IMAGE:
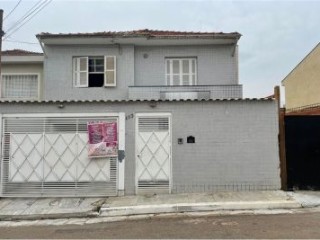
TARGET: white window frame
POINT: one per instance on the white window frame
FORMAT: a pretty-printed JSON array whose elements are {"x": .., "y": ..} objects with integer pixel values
[
  {"x": 76, "y": 71},
  {"x": 171, "y": 74},
  {"x": 16, "y": 74}
]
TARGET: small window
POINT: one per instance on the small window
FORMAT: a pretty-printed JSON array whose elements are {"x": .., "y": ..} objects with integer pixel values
[
  {"x": 24, "y": 86},
  {"x": 94, "y": 71},
  {"x": 181, "y": 71},
  {"x": 191, "y": 139}
]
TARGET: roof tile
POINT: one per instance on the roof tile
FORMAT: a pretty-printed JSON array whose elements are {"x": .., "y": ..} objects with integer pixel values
[
  {"x": 19, "y": 52},
  {"x": 143, "y": 33}
]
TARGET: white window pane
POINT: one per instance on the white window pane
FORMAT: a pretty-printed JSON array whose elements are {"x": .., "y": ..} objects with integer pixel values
[
  {"x": 181, "y": 71},
  {"x": 20, "y": 86},
  {"x": 193, "y": 66},
  {"x": 176, "y": 80},
  {"x": 96, "y": 65},
  {"x": 168, "y": 79},
  {"x": 185, "y": 66},
  {"x": 185, "y": 80},
  {"x": 175, "y": 66},
  {"x": 168, "y": 66},
  {"x": 99, "y": 68},
  {"x": 99, "y": 61}
]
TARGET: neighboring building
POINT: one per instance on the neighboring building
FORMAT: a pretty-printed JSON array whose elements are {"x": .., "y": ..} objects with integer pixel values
[
  {"x": 175, "y": 99},
  {"x": 21, "y": 75},
  {"x": 302, "y": 84}
]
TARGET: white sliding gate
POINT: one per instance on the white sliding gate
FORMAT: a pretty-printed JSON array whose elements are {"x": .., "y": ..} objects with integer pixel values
[
  {"x": 153, "y": 153},
  {"x": 48, "y": 156}
]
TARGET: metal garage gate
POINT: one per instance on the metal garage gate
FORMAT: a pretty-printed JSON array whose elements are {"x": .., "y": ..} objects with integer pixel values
[
  {"x": 303, "y": 152},
  {"x": 48, "y": 156}
]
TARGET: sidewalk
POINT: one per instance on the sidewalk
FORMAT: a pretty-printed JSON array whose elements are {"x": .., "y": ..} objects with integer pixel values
[{"x": 58, "y": 208}]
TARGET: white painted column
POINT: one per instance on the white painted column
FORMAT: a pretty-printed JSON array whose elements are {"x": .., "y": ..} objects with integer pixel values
[{"x": 121, "y": 163}]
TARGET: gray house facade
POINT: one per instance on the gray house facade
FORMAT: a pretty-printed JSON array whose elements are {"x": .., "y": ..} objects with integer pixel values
[
  {"x": 170, "y": 102},
  {"x": 147, "y": 65}
]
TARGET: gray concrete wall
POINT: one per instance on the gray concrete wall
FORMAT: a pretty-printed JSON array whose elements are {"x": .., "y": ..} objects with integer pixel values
[
  {"x": 216, "y": 65},
  {"x": 59, "y": 76},
  {"x": 236, "y": 141}
]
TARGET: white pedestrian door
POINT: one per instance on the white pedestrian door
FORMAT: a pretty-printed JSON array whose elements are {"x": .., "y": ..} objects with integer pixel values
[{"x": 153, "y": 153}]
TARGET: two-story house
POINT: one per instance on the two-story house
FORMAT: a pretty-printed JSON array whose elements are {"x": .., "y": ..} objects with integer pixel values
[{"x": 139, "y": 112}]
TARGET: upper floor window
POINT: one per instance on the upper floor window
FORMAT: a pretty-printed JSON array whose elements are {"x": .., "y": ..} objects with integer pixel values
[
  {"x": 94, "y": 71},
  {"x": 25, "y": 86},
  {"x": 181, "y": 71}
]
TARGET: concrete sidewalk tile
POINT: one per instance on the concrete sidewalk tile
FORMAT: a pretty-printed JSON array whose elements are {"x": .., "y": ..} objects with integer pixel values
[
  {"x": 70, "y": 203},
  {"x": 138, "y": 210},
  {"x": 19, "y": 204},
  {"x": 200, "y": 197},
  {"x": 150, "y": 199},
  {"x": 255, "y": 196},
  {"x": 121, "y": 201},
  {"x": 40, "y": 206},
  {"x": 306, "y": 198},
  {"x": 5, "y": 223},
  {"x": 4, "y": 202},
  {"x": 16, "y": 207},
  {"x": 171, "y": 198},
  {"x": 225, "y": 196},
  {"x": 273, "y": 195},
  {"x": 92, "y": 202},
  {"x": 162, "y": 199}
]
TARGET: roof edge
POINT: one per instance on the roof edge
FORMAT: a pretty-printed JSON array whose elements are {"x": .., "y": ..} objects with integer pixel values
[
  {"x": 313, "y": 49},
  {"x": 128, "y": 101},
  {"x": 146, "y": 33}
]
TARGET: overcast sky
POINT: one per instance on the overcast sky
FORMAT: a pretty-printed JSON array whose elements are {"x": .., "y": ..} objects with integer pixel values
[{"x": 276, "y": 35}]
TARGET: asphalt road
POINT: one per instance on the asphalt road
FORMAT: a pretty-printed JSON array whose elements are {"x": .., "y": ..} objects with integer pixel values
[{"x": 302, "y": 225}]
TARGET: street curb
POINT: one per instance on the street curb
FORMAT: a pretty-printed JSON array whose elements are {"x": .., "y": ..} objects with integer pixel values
[
  {"x": 89, "y": 214},
  {"x": 195, "y": 207}
]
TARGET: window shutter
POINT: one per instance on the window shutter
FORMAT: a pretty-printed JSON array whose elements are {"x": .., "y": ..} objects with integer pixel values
[
  {"x": 110, "y": 67},
  {"x": 80, "y": 73}
]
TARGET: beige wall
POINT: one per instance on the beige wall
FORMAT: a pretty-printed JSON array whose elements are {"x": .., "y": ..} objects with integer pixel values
[
  {"x": 36, "y": 68},
  {"x": 302, "y": 85}
]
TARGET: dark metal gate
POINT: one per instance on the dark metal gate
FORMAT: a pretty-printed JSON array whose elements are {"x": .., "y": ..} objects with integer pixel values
[{"x": 303, "y": 151}]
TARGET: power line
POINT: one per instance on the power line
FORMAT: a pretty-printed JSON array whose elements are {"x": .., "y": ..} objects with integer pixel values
[
  {"x": 25, "y": 15},
  {"x": 21, "y": 42},
  {"x": 38, "y": 9},
  {"x": 31, "y": 16},
  {"x": 31, "y": 11},
  {"x": 12, "y": 10}
]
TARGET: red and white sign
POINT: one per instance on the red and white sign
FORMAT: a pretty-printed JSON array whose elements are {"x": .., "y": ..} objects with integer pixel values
[{"x": 103, "y": 139}]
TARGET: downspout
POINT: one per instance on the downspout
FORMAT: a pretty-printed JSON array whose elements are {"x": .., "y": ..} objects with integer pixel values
[{"x": 234, "y": 49}]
